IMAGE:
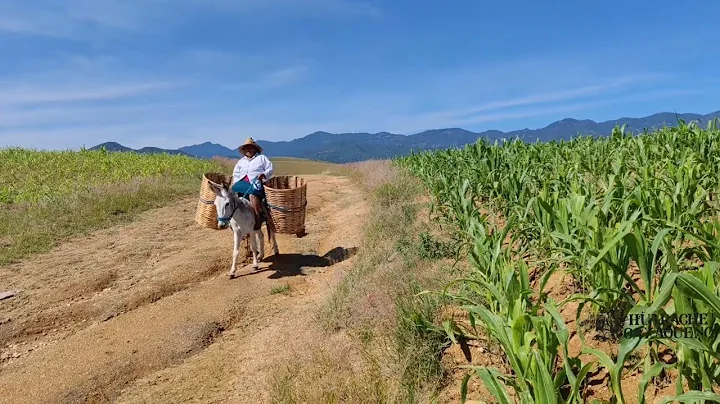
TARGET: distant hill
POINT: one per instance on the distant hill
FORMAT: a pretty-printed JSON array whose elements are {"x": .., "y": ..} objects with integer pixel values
[
  {"x": 207, "y": 150},
  {"x": 157, "y": 150},
  {"x": 112, "y": 146},
  {"x": 117, "y": 147},
  {"x": 350, "y": 147}
]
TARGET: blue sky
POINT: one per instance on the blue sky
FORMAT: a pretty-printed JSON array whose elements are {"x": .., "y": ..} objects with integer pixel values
[{"x": 171, "y": 73}]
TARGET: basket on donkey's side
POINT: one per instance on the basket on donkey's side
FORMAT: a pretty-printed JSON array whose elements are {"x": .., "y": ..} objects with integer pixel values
[
  {"x": 206, "y": 214},
  {"x": 286, "y": 198}
]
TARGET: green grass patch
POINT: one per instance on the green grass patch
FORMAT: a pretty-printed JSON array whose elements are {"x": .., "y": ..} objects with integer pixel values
[
  {"x": 284, "y": 289},
  {"x": 46, "y": 197}
]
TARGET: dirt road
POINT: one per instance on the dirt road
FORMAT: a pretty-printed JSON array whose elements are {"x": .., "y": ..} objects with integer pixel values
[{"x": 145, "y": 312}]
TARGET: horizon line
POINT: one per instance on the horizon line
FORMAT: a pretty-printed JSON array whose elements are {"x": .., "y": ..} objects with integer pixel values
[{"x": 480, "y": 133}]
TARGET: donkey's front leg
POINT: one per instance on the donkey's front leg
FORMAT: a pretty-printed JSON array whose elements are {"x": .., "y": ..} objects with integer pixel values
[{"x": 236, "y": 250}]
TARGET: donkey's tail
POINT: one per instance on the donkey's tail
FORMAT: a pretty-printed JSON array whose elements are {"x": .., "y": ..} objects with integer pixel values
[{"x": 268, "y": 223}]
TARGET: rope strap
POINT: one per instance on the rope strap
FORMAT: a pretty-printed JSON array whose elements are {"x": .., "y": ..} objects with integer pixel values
[{"x": 271, "y": 206}]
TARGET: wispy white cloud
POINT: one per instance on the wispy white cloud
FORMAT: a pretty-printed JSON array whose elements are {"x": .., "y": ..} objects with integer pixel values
[
  {"x": 17, "y": 25},
  {"x": 410, "y": 125},
  {"x": 34, "y": 104},
  {"x": 321, "y": 7},
  {"x": 77, "y": 18},
  {"x": 67, "y": 115},
  {"x": 68, "y": 18},
  {"x": 430, "y": 105},
  {"x": 274, "y": 79},
  {"x": 25, "y": 95},
  {"x": 553, "y": 96}
]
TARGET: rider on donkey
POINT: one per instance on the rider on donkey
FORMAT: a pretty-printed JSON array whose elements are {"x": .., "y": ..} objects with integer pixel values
[{"x": 252, "y": 166}]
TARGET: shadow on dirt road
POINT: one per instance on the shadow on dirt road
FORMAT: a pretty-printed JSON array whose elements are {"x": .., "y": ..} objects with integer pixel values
[{"x": 285, "y": 265}]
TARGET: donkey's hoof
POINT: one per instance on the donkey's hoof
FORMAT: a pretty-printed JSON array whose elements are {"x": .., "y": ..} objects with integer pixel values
[{"x": 231, "y": 275}]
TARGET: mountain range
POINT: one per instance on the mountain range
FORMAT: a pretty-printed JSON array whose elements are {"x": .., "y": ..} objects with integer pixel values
[{"x": 351, "y": 147}]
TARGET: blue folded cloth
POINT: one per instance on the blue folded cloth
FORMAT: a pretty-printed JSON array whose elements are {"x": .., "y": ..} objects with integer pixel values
[{"x": 244, "y": 188}]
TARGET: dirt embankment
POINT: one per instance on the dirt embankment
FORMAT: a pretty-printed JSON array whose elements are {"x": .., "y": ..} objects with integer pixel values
[{"x": 146, "y": 313}]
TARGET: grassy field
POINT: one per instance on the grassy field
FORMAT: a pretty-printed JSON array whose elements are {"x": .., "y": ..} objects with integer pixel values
[
  {"x": 292, "y": 166},
  {"x": 46, "y": 196},
  {"x": 631, "y": 222}
]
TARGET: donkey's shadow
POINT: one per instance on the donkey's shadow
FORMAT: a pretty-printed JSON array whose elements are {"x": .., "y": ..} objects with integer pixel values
[{"x": 285, "y": 265}]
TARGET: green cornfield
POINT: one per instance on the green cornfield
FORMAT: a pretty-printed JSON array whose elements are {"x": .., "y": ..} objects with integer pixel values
[
  {"x": 629, "y": 221},
  {"x": 32, "y": 176},
  {"x": 48, "y": 196}
]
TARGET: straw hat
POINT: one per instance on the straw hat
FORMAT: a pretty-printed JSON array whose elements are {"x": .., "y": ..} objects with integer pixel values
[{"x": 250, "y": 142}]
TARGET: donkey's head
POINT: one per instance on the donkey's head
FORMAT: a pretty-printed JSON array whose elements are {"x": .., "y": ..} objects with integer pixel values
[{"x": 225, "y": 204}]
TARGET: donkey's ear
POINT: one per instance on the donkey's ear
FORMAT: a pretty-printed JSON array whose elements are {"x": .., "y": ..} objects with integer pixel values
[
  {"x": 216, "y": 190},
  {"x": 224, "y": 190}
]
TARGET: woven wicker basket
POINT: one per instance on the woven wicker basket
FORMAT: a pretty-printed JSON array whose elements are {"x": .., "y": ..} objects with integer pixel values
[
  {"x": 287, "y": 199},
  {"x": 206, "y": 214}
]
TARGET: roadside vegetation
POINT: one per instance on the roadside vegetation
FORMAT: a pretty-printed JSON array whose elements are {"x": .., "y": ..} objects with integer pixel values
[
  {"x": 568, "y": 240},
  {"x": 373, "y": 350},
  {"x": 47, "y": 196}
]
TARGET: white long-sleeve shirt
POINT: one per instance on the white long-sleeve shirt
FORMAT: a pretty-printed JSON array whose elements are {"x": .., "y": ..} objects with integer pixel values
[{"x": 252, "y": 168}]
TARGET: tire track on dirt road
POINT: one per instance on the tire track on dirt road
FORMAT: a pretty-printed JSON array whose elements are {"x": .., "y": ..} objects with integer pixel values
[{"x": 145, "y": 312}]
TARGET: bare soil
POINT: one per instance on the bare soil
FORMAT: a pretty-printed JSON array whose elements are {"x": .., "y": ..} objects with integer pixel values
[{"x": 145, "y": 312}]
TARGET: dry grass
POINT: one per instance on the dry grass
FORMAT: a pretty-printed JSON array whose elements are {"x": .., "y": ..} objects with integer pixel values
[
  {"x": 371, "y": 173},
  {"x": 327, "y": 371},
  {"x": 386, "y": 358},
  {"x": 226, "y": 164},
  {"x": 289, "y": 166}
]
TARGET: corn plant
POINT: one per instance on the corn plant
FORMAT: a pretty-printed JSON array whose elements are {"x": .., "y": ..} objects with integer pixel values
[
  {"x": 632, "y": 218},
  {"x": 531, "y": 333}
]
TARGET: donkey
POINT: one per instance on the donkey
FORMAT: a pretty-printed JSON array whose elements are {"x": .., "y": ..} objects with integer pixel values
[{"x": 238, "y": 213}]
